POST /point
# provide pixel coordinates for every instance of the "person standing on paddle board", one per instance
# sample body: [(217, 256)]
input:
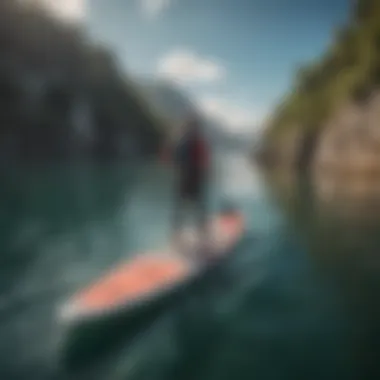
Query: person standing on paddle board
[(191, 156)]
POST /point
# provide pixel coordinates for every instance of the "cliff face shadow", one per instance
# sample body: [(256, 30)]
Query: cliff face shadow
[(339, 220)]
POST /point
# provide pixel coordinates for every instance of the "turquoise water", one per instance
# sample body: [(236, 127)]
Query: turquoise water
[(277, 316)]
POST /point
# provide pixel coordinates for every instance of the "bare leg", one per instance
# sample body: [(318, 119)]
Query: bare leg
[(178, 220), (203, 223)]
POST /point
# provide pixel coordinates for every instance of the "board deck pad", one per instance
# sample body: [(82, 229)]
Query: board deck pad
[(151, 271)]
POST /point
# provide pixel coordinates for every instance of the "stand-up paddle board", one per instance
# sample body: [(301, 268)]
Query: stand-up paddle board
[(149, 274), (127, 298)]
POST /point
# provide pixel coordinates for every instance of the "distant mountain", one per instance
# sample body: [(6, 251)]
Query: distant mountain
[(173, 104), (166, 99)]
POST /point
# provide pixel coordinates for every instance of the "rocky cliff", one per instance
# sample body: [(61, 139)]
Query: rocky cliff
[(328, 122), (63, 97)]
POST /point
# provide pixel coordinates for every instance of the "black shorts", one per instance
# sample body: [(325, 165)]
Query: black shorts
[(191, 185)]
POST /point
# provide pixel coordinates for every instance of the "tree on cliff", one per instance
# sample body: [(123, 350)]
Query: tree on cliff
[(348, 71)]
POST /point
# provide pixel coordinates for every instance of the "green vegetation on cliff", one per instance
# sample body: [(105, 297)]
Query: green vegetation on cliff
[(62, 96), (348, 71)]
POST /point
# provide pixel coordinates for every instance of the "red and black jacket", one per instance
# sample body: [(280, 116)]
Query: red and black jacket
[(191, 153)]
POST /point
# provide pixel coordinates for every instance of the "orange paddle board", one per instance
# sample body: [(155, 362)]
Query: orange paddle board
[(150, 273)]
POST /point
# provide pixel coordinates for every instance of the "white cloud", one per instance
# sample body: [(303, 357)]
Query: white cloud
[(75, 10), (187, 67), (67, 10), (234, 118), (154, 7)]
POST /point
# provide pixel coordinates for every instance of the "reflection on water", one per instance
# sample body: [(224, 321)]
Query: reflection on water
[(339, 219), (236, 177), (352, 198), (298, 300)]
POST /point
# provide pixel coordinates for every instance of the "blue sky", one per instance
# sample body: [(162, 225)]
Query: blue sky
[(234, 57)]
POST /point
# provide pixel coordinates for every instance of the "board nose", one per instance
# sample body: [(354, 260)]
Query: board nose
[(228, 228)]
